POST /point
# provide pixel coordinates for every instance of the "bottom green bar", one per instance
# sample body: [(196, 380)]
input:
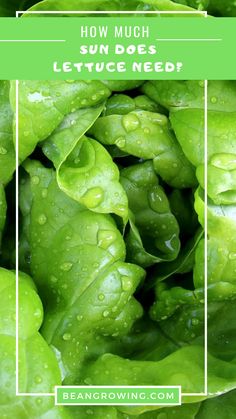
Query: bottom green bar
[(118, 395)]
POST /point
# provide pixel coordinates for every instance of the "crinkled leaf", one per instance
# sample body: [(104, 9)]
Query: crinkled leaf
[(44, 104), (182, 206), (147, 135), (121, 104), (3, 208), (85, 170), (222, 407), (107, 5), (185, 100), (7, 152), (214, 7), (79, 266), (38, 368), (183, 264), (183, 367), (221, 244), (186, 411), (154, 231)]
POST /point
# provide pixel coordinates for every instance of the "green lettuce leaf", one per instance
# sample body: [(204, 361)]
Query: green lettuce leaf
[(221, 222), (222, 407), (79, 267), (85, 170), (147, 135), (38, 368), (43, 106), (3, 207), (107, 5), (185, 101), (184, 367), (7, 152), (154, 231)]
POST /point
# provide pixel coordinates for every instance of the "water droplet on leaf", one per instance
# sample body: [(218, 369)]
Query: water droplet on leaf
[(130, 122), (3, 150), (106, 238), (93, 197), (35, 180), (120, 142), (66, 266), (126, 283), (66, 336), (42, 219)]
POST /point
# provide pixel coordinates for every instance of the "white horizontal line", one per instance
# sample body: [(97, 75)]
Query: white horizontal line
[(32, 40), (122, 387), (189, 39), (117, 404), (194, 394), (111, 12), (36, 394)]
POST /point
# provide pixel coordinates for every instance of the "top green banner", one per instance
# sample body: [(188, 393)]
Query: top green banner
[(116, 48)]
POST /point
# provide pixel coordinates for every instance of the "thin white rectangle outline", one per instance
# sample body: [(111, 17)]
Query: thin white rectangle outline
[(102, 12), (205, 392), (119, 404), (189, 39), (32, 40)]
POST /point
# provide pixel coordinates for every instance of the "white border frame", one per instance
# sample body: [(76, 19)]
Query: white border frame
[(205, 392), (112, 12)]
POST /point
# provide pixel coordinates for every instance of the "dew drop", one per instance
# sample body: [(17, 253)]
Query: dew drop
[(93, 197), (120, 210), (3, 150), (39, 401), (66, 266), (157, 200), (106, 238), (105, 313), (38, 379), (42, 219), (96, 265), (44, 193), (225, 161), (120, 142), (126, 283), (53, 279), (66, 336), (162, 415), (101, 297), (114, 309), (214, 99), (37, 313), (130, 122), (35, 180)]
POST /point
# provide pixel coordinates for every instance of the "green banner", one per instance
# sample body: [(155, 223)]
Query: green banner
[(117, 48), (118, 395)]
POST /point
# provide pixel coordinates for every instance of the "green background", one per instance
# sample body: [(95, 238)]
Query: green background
[(201, 60)]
